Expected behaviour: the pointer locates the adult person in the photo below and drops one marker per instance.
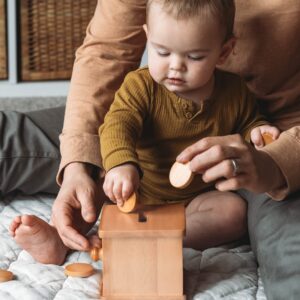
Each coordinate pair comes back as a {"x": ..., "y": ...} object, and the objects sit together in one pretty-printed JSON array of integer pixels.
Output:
[{"x": 269, "y": 61}]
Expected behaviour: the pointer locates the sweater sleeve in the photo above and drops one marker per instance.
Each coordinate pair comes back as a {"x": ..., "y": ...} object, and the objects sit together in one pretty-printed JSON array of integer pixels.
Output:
[
  {"x": 113, "y": 46},
  {"x": 123, "y": 124},
  {"x": 287, "y": 161},
  {"x": 285, "y": 151}
]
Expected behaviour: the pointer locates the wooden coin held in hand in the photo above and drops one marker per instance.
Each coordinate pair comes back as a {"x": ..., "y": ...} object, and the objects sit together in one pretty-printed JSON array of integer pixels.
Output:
[
  {"x": 79, "y": 270},
  {"x": 181, "y": 175},
  {"x": 267, "y": 137},
  {"x": 5, "y": 275},
  {"x": 130, "y": 204}
]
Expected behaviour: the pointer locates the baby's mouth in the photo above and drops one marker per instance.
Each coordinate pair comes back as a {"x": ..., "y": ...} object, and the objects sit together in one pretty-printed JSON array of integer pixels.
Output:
[{"x": 175, "y": 81}]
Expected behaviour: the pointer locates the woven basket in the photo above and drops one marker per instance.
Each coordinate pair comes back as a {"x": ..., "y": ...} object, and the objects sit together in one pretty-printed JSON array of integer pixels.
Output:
[
  {"x": 3, "y": 58},
  {"x": 51, "y": 31}
]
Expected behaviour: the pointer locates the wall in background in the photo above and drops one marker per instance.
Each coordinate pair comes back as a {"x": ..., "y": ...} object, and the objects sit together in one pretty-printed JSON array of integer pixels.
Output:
[{"x": 12, "y": 87}]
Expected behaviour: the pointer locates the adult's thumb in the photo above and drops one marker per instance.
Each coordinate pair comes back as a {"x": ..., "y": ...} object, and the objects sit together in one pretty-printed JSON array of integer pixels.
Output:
[{"x": 86, "y": 199}]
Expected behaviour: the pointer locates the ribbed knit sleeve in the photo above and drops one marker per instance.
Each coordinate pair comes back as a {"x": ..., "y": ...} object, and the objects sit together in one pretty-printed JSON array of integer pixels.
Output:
[{"x": 124, "y": 122}]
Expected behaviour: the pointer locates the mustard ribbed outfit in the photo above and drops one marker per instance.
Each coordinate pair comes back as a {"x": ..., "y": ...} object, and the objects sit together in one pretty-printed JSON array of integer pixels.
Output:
[{"x": 149, "y": 126}]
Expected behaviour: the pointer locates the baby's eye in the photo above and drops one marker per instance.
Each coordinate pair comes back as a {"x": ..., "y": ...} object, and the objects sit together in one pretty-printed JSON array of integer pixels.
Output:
[
  {"x": 163, "y": 52},
  {"x": 196, "y": 57}
]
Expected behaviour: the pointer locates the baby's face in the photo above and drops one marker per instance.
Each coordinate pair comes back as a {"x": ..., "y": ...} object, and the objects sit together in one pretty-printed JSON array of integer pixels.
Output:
[{"x": 182, "y": 54}]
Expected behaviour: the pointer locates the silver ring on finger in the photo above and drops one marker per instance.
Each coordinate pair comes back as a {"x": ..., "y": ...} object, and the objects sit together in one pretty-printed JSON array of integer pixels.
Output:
[{"x": 235, "y": 167}]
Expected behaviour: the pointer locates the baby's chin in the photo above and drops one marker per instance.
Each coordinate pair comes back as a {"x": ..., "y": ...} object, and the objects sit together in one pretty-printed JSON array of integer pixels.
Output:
[{"x": 175, "y": 88}]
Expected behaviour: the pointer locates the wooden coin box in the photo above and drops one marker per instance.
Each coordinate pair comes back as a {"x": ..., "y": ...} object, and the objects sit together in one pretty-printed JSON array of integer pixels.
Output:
[{"x": 142, "y": 253}]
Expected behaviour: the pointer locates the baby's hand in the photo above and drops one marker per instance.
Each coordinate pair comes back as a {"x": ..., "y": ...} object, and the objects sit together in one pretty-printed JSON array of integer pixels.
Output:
[
  {"x": 257, "y": 134},
  {"x": 120, "y": 182}
]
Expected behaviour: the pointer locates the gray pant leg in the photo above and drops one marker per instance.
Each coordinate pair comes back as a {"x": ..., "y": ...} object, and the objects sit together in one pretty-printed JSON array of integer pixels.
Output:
[
  {"x": 274, "y": 231},
  {"x": 29, "y": 150}
]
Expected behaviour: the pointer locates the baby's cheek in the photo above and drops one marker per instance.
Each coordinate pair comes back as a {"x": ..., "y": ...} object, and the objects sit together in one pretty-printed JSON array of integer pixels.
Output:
[{"x": 156, "y": 72}]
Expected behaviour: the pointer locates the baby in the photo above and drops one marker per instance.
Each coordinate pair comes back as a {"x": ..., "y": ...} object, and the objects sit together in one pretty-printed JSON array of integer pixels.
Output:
[{"x": 178, "y": 99}]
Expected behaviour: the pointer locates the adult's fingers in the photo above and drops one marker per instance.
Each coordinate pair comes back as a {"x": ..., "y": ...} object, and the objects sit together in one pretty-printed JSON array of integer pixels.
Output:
[
  {"x": 86, "y": 196},
  {"x": 63, "y": 220},
  {"x": 212, "y": 157},
  {"x": 258, "y": 173},
  {"x": 231, "y": 184},
  {"x": 206, "y": 143},
  {"x": 95, "y": 241},
  {"x": 224, "y": 169},
  {"x": 73, "y": 239}
]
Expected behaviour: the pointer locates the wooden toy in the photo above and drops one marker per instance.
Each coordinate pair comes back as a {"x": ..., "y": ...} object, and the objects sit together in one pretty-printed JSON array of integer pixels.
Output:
[
  {"x": 96, "y": 254},
  {"x": 268, "y": 138},
  {"x": 130, "y": 204},
  {"x": 5, "y": 275},
  {"x": 142, "y": 253},
  {"x": 181, "y": 175},
  {"x": 79, "y": 270}
]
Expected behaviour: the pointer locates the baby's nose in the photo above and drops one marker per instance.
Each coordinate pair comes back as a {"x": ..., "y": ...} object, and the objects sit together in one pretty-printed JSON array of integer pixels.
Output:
[{"x": 177, "y": 64}]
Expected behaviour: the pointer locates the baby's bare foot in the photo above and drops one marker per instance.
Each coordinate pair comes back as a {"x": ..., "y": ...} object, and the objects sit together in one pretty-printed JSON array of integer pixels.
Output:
[{"x": 39, "y": 238}]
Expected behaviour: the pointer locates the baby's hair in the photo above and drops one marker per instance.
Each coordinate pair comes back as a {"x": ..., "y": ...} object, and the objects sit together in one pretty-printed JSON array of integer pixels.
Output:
[{"x": 223, "y": 10}]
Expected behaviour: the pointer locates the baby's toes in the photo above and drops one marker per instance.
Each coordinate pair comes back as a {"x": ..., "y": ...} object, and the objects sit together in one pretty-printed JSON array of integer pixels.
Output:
[{"x": 14, "y": 225}]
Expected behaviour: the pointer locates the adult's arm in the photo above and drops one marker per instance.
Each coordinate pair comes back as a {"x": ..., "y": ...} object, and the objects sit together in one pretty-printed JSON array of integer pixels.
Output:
[
  {"x": 271, "y": 70},
  {"x": 286, "y": 154},
  {"x": 113, "y": 46}
]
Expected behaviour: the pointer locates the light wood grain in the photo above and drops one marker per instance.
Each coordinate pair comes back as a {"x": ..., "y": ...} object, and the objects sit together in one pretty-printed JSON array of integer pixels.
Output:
[
  {"x": 140, "y": 297},
  {"x": 143, "y": 260},
  {"x": 162, "y": 220}
]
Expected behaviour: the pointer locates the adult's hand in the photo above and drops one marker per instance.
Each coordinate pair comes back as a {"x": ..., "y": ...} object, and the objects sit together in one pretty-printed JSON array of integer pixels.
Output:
[
  {"x": 77, "y": 206},
  {"x": 212, "y": 157}
]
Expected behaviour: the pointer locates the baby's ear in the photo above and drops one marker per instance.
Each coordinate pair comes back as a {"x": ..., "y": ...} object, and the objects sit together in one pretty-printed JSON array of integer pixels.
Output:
[{"x": 227, "y": 48}]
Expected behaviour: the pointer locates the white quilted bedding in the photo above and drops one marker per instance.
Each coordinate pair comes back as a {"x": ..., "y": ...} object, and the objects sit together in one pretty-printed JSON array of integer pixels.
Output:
[{"x": 216, "y": 273}]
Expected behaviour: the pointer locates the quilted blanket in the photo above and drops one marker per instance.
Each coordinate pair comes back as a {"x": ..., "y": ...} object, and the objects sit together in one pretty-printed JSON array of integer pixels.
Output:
[{"x": 217, "y": 273}]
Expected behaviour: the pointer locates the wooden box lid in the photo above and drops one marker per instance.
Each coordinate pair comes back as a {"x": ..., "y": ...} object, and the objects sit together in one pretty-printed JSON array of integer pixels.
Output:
[{"x": 161, "y": 221}]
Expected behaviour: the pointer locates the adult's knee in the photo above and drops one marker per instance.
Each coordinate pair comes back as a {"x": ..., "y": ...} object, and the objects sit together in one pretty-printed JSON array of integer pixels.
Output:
[
  {"x": 275, "y": 239},
  {"x": 29, "y": 160}
]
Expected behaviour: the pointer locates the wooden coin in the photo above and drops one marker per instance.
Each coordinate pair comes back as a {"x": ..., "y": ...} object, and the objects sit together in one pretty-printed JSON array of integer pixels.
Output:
[
  {"x": 79, "y": 270},
  {"x": 5, "y": 275},
  {"x": 181, "y": 175},
  {"x": 267, "y": 137},
  {"x": 130, "y": 204}
]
